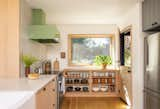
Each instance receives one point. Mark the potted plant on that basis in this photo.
(103, 60)
(28, 61)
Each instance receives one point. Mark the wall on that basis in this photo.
(54, 51)
(27, 46)
(9, 38)
(133, 17)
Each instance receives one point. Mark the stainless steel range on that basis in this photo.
(59, 90)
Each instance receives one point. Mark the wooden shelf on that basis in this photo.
(72, 77)
(76, 84)
(90, 85)
(103, 77)
(103, 84)
(91, 94)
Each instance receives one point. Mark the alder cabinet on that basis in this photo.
(46, 97)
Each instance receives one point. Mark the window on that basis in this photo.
(83, 48)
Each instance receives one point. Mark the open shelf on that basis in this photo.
(91, 94)
(105, 77)
(95, 78)
(76, 84)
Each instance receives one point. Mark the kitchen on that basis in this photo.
(50, 32)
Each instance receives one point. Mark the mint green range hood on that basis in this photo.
(41, 32)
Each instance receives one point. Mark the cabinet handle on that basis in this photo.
(53, 80)
(53, 105)
(155, 23)
(44, 89)
(53, 90)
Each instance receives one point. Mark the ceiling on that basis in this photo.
(83, 11)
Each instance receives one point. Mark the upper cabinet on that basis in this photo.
(151, 15)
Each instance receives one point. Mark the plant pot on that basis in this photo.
(27, 71)
(104, 66)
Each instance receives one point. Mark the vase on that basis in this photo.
(27, 71)
(104, 66)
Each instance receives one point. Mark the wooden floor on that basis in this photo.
(93, 103)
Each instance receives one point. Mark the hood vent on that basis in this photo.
(40, 31)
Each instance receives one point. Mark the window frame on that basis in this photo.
(70, 36)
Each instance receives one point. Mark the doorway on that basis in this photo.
(126, 64)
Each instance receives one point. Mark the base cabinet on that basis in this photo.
(46, 97)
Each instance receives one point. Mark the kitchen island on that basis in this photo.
(24, 93)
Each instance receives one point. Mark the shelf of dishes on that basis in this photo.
(101, 88)
(107, 88)
(77, 89)
(77, 75)
(103, 81)
(76, 81)
(100, 82)
(103, 74)
(87, 75)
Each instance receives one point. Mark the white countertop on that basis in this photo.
(14, 92)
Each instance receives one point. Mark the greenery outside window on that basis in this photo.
(82, 48)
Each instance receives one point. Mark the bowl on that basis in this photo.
(33, 76)
(85, 89)
(104, 89)
(69, 89)
(95, 89)
(77, 89)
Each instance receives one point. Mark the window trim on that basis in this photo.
(70, 36)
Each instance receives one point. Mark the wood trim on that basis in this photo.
(87, 36)
(126, 29)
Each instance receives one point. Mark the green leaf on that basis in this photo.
(28, 60)
(102, 59)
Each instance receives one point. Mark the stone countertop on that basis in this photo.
(15, 92)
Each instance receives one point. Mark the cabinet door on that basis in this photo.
(157, 12)
(146, 14)
(41, 97)
(150, 13)
(52, 94)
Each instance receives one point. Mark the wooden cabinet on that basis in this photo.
(9, 38)
(91, 83)
(46, 97)
(150, 15)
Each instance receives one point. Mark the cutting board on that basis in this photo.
(56, 65)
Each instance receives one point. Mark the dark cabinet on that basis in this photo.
(151, 15)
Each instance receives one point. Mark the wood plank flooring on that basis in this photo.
(93, 103)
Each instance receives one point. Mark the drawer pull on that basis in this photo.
(53, 105)
(155, 23)
(53, 90)
(44, 89)
(53, 80)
